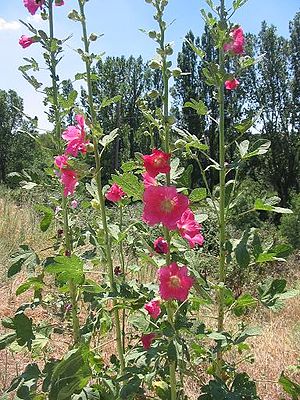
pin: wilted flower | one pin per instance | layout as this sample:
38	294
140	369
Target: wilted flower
115	193
161	245
190	229
147	340
33	5
153	308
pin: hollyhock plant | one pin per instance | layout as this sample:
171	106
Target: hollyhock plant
153	308
236	45
161	245
232	84
148	180
115	193
75	136
33	5
163	204
190	229
26	41
157	163
147	340
174	282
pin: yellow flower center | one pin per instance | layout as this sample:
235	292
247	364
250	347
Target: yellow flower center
167	205
175	281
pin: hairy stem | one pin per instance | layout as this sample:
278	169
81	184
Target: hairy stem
67	234
100	187
165	97
222	232
122	261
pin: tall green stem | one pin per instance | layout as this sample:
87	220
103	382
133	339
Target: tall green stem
165	97
68	242
122	261
222	232
100	187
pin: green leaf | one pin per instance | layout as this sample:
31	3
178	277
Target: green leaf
7	339
67	268
264	206
24	257
273	293
241	251
23	327
70	375
130	184
197	195
260	147
26	383
185	179
107	102
198	106
200	53
34	282
241	305
48	215
107	139
171	352
290	387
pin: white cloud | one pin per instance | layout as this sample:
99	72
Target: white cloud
9	25
35	19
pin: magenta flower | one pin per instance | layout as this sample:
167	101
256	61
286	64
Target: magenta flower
190	229
67	176
232	84
161	245
163	204
147	340
69	179
115	193
61	161
33	5
153	308
75	136
236	45
157	163
174	282
148	180
25	41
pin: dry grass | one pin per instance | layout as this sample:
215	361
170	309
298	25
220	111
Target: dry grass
275	350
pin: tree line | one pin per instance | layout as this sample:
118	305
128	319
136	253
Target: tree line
270	87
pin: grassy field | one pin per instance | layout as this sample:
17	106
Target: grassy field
275	350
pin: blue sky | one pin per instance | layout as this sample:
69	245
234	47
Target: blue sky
119	21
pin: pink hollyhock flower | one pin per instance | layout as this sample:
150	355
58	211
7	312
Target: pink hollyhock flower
163	204
236	45
33	5
174	282
190	229
232	84
147	340
161	245
61	161
25	41
115	193
74	204
153	308
157	163
148	180
75	136
69	179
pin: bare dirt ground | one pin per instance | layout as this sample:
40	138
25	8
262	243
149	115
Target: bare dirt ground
274	351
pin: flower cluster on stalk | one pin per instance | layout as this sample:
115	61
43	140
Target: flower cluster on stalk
235	46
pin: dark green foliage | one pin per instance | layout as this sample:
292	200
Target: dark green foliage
290	224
